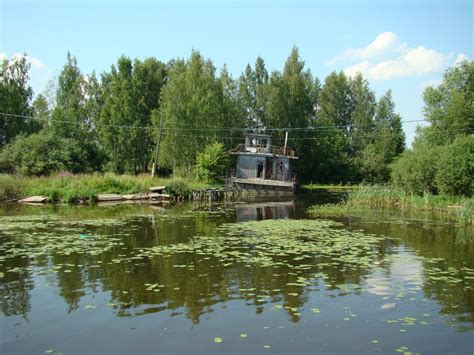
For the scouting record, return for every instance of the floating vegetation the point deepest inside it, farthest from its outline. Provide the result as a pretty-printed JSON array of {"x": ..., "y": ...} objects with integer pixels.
[
  {"x": 269, "y": 243},
  {"x": 43, "y": 235},
  {"x": 289, "y": 273}
]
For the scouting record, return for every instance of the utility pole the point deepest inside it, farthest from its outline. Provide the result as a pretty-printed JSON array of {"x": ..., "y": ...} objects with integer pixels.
[
  {"x": 286, "y": 142},
  {"x": 155, "y": 163}
]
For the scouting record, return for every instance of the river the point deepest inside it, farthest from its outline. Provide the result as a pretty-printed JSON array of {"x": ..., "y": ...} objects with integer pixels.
[{"x": 255, "y": 277}]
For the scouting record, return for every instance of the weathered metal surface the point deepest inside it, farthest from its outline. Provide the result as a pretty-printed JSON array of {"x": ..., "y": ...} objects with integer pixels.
[
  {"x": 241, "y": 149},
  {"x": 264, "y": 182}
]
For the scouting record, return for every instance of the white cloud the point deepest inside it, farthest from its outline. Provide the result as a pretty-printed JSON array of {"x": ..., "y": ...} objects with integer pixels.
[
  {"x": 384, "y": 44},
  {"x": 39, "y": 73},
  {"x": 387, "y": 58},
  {"x": 460, "y": 57}
]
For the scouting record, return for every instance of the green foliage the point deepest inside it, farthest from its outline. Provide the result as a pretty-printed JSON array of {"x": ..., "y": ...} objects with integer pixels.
[
  {"x": 373, "y": 165},
  {"x": 211, "y": 163},
  {"x": 191, "y": 101},
  {"x": 366, "y": 200},
  {"x": 415, "y": 170},
  {"x": 465, "y": 215},
  {"x": 292, "y": 95},
  {"x": 131, "y": 93},
  {"x": 253, "y": 94},
  {"x": 450, "y": 106},
  {"x": 443, "y": 154},
  {"x": 42, "y": 154},
  {"x": 178, "y": 187},
  {"x": 347, "y": 136},
  {"x": 364, "y": 137},
  {"x": 15, "y": 94},
  {"x": 455, "y": 168},
  {"x": 71, "y": 188},
  {"x": 9, "y": 187}
]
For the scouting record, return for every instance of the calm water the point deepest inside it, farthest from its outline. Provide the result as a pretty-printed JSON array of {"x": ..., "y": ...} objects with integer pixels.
[{"x": 163, "y": 280}]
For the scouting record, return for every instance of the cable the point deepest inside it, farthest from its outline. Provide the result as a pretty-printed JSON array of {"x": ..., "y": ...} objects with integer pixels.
[{"x": 207, "y": 128}]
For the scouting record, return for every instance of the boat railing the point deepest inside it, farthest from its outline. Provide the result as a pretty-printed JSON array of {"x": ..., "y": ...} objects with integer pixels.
[{"x": 274, "y": 150}]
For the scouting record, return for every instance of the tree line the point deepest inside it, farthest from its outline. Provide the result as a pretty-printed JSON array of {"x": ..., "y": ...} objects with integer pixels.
[{"x": 339, "y": 129}]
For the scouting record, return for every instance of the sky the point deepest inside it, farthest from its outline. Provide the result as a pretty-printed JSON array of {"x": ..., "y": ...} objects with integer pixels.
[{"x": 404, "y": 45}]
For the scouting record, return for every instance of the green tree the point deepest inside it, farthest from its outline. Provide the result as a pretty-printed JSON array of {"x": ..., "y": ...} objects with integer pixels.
[
  {"x": 415, "y": 170},
  {"x": 450, "y": 107},
  {"x": 232, "y": 112},
  {"x": 334, "y": 125},
  {"x": 455, "y": 168},
  {"x": 42, "y": 153},
  {"x": 361, "y": 122},
  {"x": 212, "y": 162},
  {"x": 292, "y": 98},
  {"x": 130, "y": 95},
  {"x": 336, "y": 100},
  {"x": 253, "y": 85},
  {"x": 387, "y": 143},
  {"x": 191, "y": 107},
  {"x": 15, "y": 94},
  {"x": 70, "y": 117},
  {"x": 41, "y": 113}
]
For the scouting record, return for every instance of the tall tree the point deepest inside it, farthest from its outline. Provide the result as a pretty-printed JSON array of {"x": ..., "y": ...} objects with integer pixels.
[
  {"x": 362, "y": 116},
  {"x": 388, "y": 142},
  {"x": 72, "y": 115},
  {"x": 16, "y": 95},
  {"x": 334, "y": 125},
  {"x": 232, "y": 113},
  {"x": 292, "y": 97},
  {"x": 131, "y": 93},
  {"x": 191, "y": 105},
  {"x": 68, "y": 117},
  {"x": 336, "y": 100},
  {"x": 253, "y": 85},
  {"x": 388, "y": 128},
  {"x": 450, "y": 106}
]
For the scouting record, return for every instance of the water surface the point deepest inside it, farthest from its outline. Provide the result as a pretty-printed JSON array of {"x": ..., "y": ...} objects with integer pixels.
[{"x": 185, "y": 278}]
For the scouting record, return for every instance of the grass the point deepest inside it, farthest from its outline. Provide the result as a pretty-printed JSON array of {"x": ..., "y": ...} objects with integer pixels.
[
  {"x": 384, "y": 197},
  {"x": 9, "y": 188},
  {"x": 319, "y": 187},
  {"x": 72, "y": 188}
]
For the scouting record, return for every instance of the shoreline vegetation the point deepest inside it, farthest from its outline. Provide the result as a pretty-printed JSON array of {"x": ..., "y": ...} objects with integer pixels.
[
  {"x": 70, "y": 188},
  {"x": 362, "y": 198}
]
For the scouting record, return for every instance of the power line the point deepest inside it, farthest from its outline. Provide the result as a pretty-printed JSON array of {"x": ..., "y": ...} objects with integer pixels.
[{"x": 207, "y": 128}]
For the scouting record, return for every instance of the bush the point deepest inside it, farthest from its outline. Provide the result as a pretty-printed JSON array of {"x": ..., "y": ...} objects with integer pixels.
[
  {"x": 9, "y": 187},
  {"x": 42, "y": 154},
  {"x": 455, "y": 173},
  {"x": 373, "y": 166},
  {"x": 178, "y": 187},
  {"x": 211, "y": 163},
  {"x": 437, "y": 169},
  {"x": 415, "y": 170}
]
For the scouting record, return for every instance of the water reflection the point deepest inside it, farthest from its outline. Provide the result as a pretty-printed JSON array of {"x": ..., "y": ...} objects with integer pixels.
[
  {"x": 423, "y": 262},
  {"x": 265, "y": 210}
]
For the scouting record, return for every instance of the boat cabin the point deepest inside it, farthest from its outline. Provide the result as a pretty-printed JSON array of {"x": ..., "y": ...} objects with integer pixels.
[{"x": 260, "y": 165}]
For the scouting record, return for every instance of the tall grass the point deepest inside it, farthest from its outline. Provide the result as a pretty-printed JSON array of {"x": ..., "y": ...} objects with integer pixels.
[
  {"x": 71, "y": 188},
  {"x": 461, "y": 208},
  {"x": 9, "y": 187}
]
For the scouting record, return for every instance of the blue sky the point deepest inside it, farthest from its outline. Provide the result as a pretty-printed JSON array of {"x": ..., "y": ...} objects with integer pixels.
[{"x": 398, "y": 45}]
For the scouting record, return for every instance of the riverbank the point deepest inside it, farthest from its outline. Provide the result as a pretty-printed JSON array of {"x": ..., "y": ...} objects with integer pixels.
[
  {"x": 381, "y": 197},
  {"x": 326, "y": 187},
  {"x": 71, "y": 188}
]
